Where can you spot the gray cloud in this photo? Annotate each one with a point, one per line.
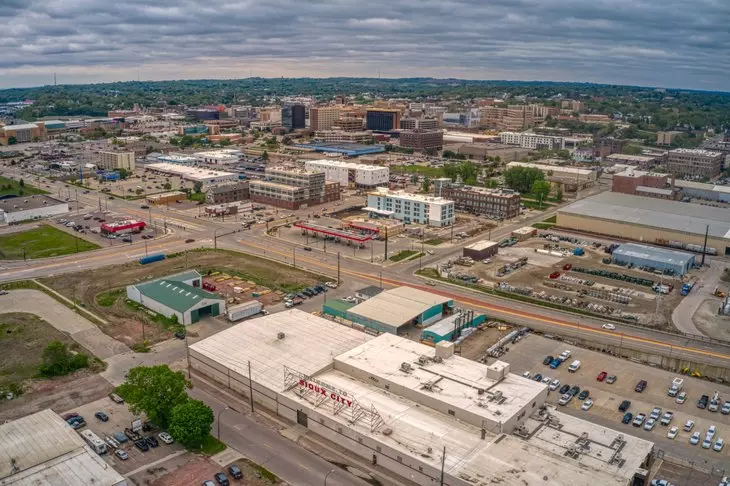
(651, 42)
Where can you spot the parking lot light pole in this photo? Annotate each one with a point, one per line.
(219, 420)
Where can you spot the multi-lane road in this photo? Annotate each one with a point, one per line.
(255, 241)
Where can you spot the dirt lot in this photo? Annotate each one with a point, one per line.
(709, 322)
(22, 340)
(527, 355)
(475, 346)
(642, 300)
(125, 323)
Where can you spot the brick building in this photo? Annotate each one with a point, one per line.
(695, 163)
(226, 193)
(648, 184)
(502, 203)
(422, 140)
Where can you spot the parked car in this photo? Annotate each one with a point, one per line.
(189, 240)
(102, 416)
(718, 445)
(564, 355)
(628, 416)
(725, 408)
(537, 377)
(221, 479)
(640, 386)
(554, 385)
(307, 248)
(609, 327)
(611, 379)
(574, 390)
(120, 437)
(127, 239)
(695, 439)
(711, 430)
(706, 443)
(681, 398)
(702, 402)
(235, 472)
(564, 399)
(142, 445)
(547, 360)
(564, 389)
(601, 376)
(208, 482)
(655, 413)
(667, 418)
(555, 363)
(639, 420)
(583, 395)
(144, 206)
(121, 454)
(587, 405)
(688, 425)
(673, 432)
(152, 442)
(70, 415)
(650, 424)
(546, 380)
(165, 437)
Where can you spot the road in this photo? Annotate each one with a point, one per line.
(268, 448)
(207, 233)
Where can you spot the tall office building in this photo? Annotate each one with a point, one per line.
(382, 119)
(293, 116)
(323, 118)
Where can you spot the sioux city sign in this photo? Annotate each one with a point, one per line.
(326, 390)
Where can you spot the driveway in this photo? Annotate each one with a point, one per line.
(703, 290)
(64, 319)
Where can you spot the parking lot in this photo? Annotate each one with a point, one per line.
(528, 355)
(88, 227)
(119, 418)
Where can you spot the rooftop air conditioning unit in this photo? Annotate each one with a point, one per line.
(280, 335)
(405, 367)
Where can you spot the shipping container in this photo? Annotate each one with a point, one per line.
(151, 258)
(247, 309)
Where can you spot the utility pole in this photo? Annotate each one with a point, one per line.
(338, 268)
(704, 248)
(443, 463)
(385, 257)
(294, 255)
(420, 258)
(250, 386)
(372, 246)
(452, 231)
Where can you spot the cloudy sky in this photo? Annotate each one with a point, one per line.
(669, 43)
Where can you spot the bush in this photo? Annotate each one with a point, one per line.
(59, 361)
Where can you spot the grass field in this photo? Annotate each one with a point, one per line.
(22, 340)
(433, 242)
(403, 254)
(418, 169)
(10, 187)
(42, 242)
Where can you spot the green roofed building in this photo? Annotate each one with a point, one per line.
(178, 295)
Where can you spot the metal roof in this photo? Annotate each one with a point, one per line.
(46, 451)
(172, 292)
(398, 306)
(370, 291)
(655, 213)
(674, 257)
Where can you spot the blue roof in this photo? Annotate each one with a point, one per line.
(350, 149)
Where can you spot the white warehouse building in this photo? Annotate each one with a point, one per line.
(350, 174)
(218, 157)
(410, 208)
(23, 208)
(398, 403)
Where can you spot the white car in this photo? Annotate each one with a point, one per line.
(165, 437)
(649, 425)
(695, 439)
(609, 327)
(711, 431)
(673, 432)
(689, 425)
(526, 374)
(706, 443)
(587, 405)
(655, 413)
(554, 385)
(681, 398)
(565, 399)
(564, 355)
(718, 445)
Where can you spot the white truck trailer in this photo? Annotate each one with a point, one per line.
(241, 311)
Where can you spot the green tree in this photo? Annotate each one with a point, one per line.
(167, 186)
(139, 191)
(426, 184)
(197, 187)
(631, 150)
(521, 179)
(190, 422)
(124, 173)
(57, 360)
(225, 142)
(559, 195)
(21, 183)
(265, 155)
(154, 390)
(12, 140)
(540, 189)
(468, 171)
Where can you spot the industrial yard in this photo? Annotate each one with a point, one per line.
(580, 273)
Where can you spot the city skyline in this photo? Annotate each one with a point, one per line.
(646, 43)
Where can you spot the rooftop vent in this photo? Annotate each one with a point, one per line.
(280, 335)
(422, 360)
(406, 367)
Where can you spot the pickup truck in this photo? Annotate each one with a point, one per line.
(675, 387)
(291, 303)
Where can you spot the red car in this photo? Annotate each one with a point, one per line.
(602, 376)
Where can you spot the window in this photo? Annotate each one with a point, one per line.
(451, 412)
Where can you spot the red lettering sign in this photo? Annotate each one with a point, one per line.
(320, 389)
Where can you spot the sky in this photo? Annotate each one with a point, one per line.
(666, 43)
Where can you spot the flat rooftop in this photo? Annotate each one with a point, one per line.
(48, 452)
(633, 158)
(554, 168)
(24, 203)
(481, 245)
(702, 152)
(385, 192)
(655, 213)
(309, 345)
(348, 165)
(398, 306)
(632, 250)
(192, 173)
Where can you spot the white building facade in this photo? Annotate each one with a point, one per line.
(411, 208)
(532, 140)
(350, 174)
(16, 209)
(217, 157)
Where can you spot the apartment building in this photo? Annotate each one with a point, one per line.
(382, 119)
(695, 163)
(324, 117)
(411, 208)
(422, 140)
(514, 118)
(350, 174)
(116, 160)
(293, 116)
(503, 203)
(412, 123)
(293, 188)
(666, 138)
(532, 140)
(343, 136)
(541, 112)
(227, 193)
(574, 106)
(26, 132)
(609, 145)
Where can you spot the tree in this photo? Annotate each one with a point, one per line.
(12, 140)
(154, 390)
(468, 171)
(559, 195)
(59, 361)
(124, 173)
(540, 189)
(21, 183)
(139, 191)
(197, 187)
(225, 142)
(167, 186)
(265, 155)
(426, 184)
(191, 422)
(521, 179)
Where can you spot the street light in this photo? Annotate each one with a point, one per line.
(327, 475)
(215, 238)
(219, 420)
